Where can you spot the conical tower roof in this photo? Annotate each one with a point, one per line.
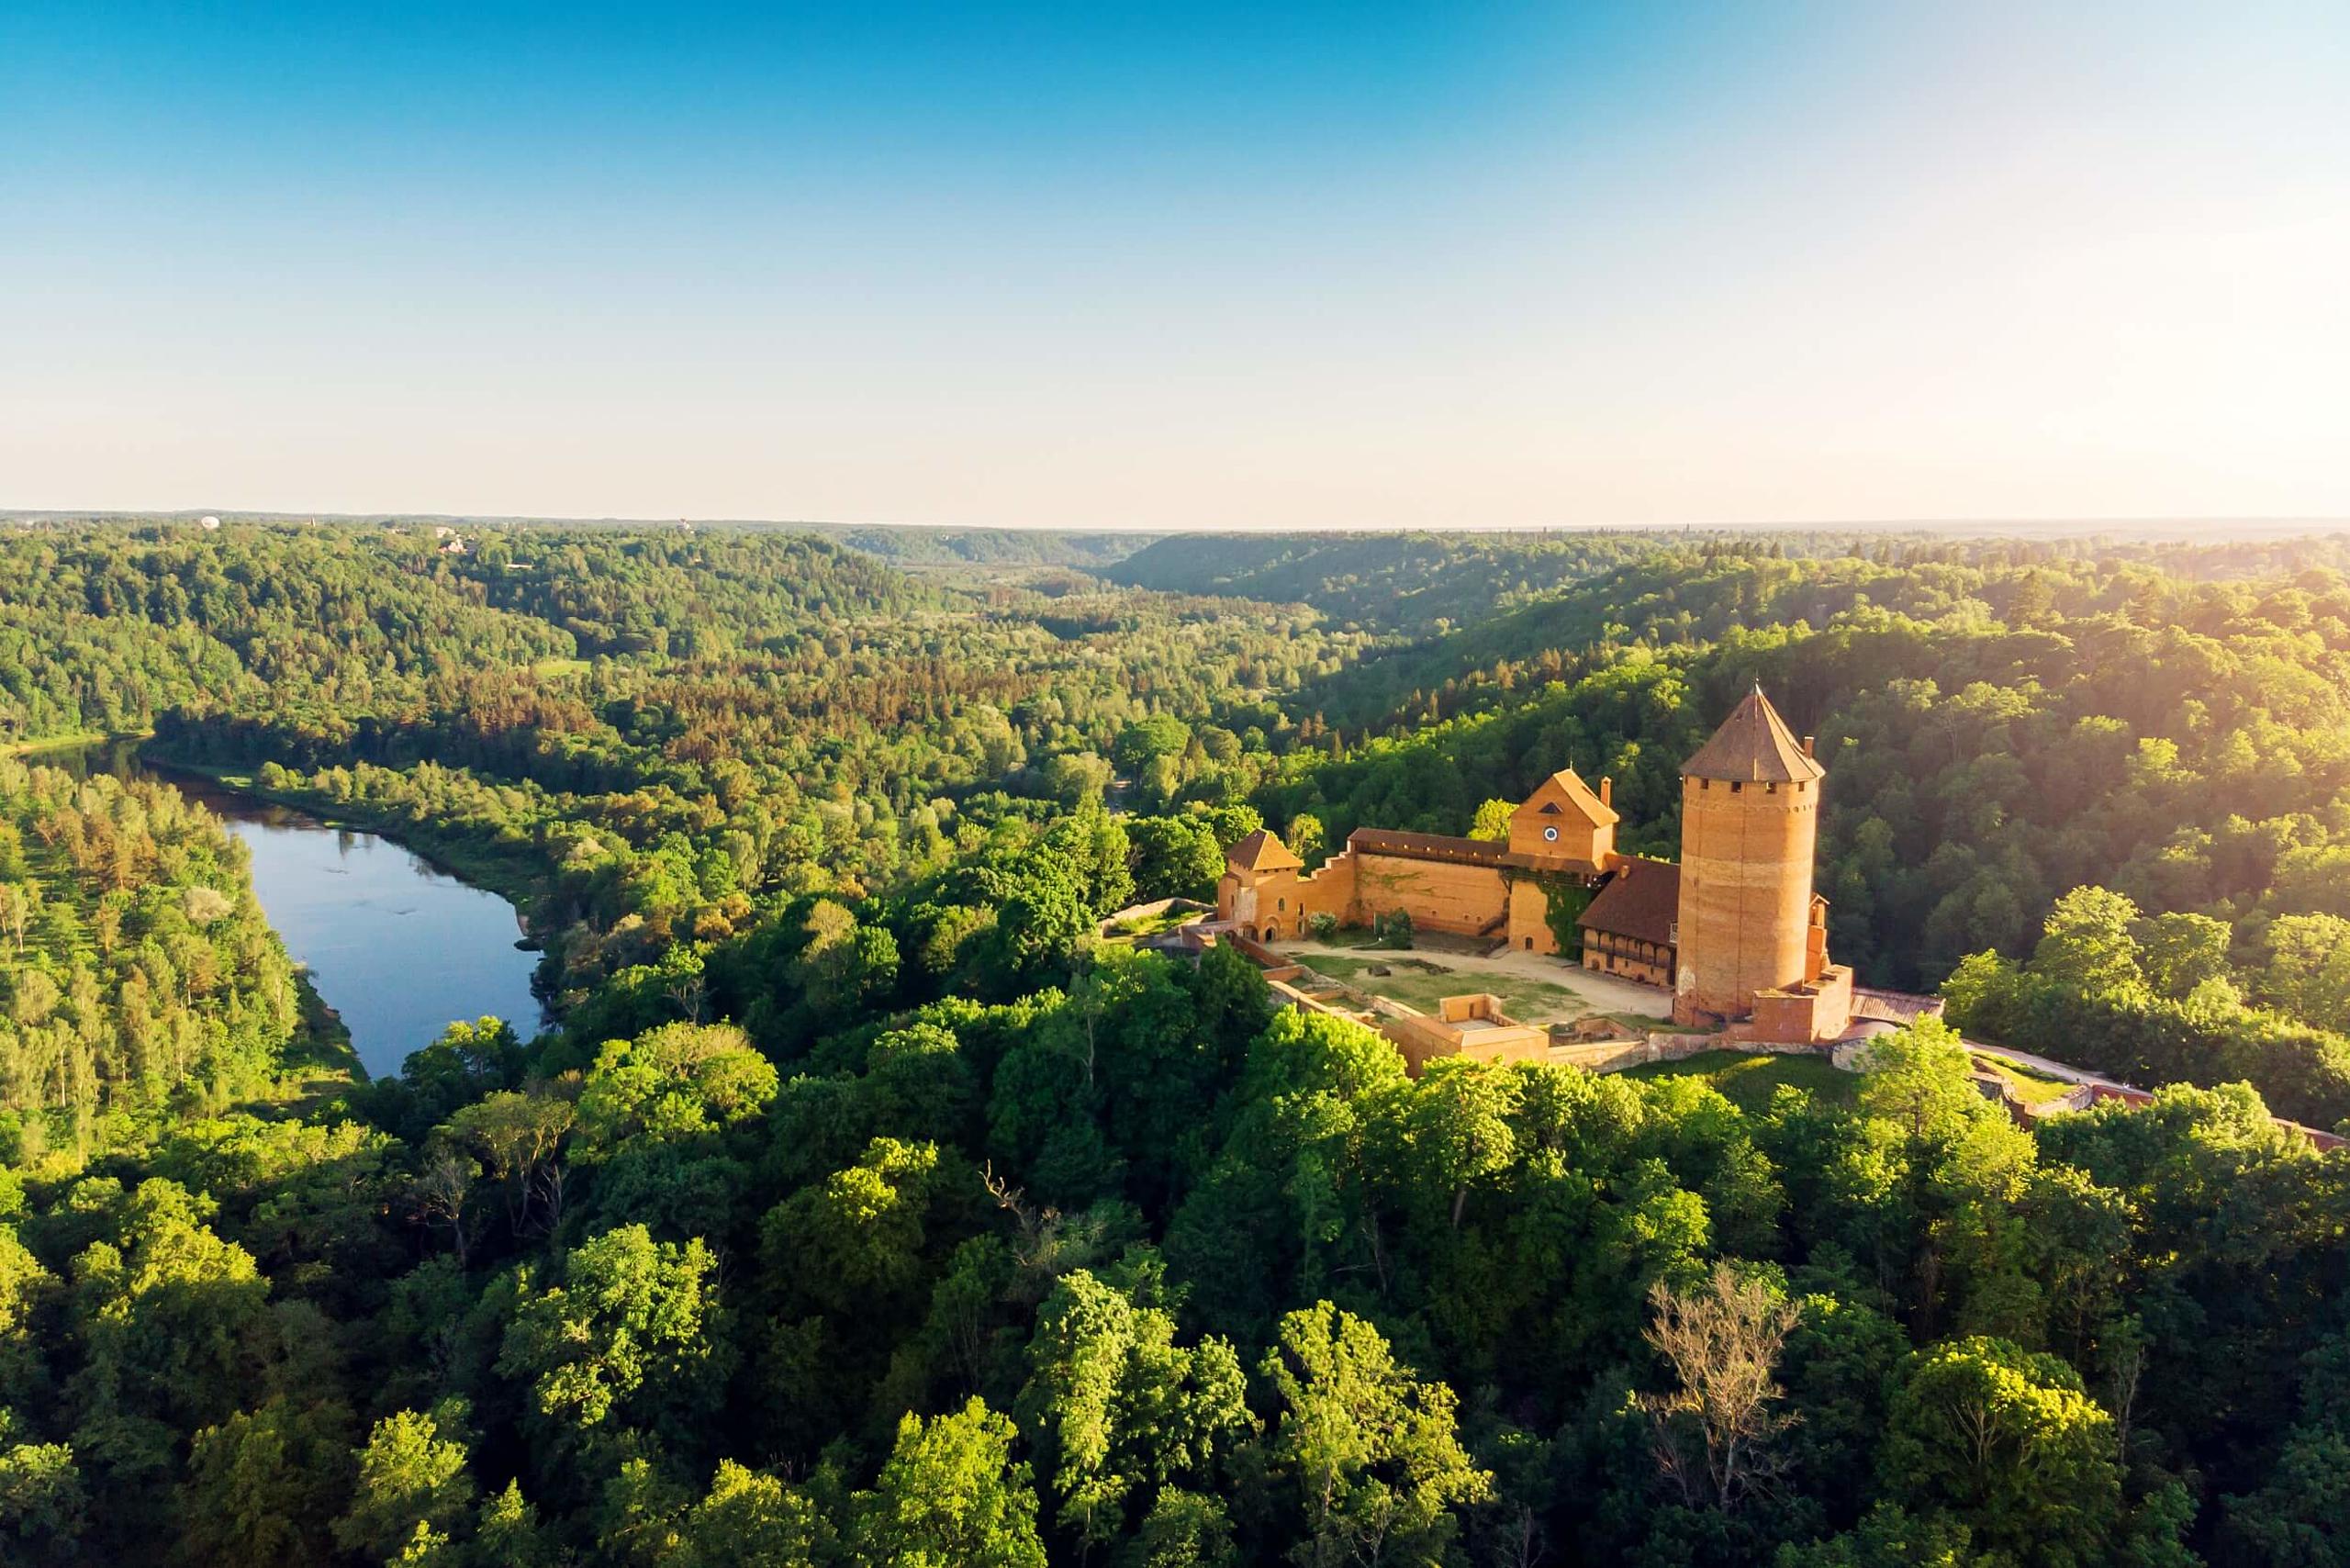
(1753, 746)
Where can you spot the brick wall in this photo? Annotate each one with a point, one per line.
(1439, 895)
(1529, 917)
(1745, 916)
(1819, 1012)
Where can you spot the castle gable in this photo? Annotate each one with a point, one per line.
(1563, 822)
(1565, 794)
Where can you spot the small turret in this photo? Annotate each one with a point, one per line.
(1258, 889)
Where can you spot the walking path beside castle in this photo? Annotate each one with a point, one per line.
(2045, 1067)
(1605, 993)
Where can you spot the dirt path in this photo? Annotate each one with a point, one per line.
(2045, 1067)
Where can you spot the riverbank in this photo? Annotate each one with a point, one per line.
(518, 885)
(398, 932)
(320, 1056)
(79, 740)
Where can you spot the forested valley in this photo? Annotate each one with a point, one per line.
(866, 1204)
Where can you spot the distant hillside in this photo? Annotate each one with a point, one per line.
(909, 546)
(1665, 599)
(904, 544)
(1429, 582)
(1409, 582)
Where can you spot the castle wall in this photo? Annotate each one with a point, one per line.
(1281, 902)
(1468, 901)
(1818, 1011)
(1529, 918)
(1578, 844)
(1422, 1040)
(1327, 891)
(1745, 911)
(1236, 899)
(1356, 887)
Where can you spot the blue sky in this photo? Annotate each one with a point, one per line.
(1262, 266)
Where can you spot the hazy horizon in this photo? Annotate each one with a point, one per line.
(1381, 267)
(2148, 527)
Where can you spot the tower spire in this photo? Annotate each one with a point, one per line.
(1753, 746)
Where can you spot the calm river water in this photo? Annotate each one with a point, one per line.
(395, 948)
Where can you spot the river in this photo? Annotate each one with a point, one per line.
(396, 947)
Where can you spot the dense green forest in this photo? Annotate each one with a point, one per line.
(864, 1206)
(1997, 734)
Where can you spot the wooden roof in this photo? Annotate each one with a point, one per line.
(1640, 900)
(1753, 746)
(1260, 851)
(1431, 847)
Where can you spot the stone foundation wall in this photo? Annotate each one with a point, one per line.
(1819, 1012)
(1604, 1056)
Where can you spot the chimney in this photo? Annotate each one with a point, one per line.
(1606, 790)
(1807, 745)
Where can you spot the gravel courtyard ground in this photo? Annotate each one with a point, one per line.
(1534, 988)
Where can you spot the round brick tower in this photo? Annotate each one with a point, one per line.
(1750, 828)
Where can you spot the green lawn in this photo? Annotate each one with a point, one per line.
(1152, 924)
(1748, 1079)
(1352, 936)
(1422, 982)
(2030, 1087)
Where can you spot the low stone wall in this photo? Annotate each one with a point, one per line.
(1603, 1055)
(1264, 957)
(1615, 1055)
(1151, 911)
(1676, 1048)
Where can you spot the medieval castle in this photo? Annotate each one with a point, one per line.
(1734, 929)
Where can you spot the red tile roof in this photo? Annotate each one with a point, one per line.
(1260, 851)
(1640, 900)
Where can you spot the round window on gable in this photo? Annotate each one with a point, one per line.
(1551, 832)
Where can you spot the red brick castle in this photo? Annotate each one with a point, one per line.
(1735, 929)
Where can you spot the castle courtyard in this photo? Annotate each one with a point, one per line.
(1538, 988)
